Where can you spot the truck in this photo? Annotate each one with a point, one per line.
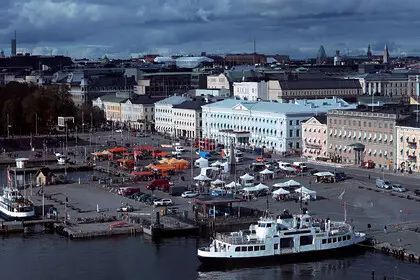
(159, 184)
(239, 156)
(177, 190)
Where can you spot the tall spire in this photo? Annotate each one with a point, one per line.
(369, 52)
(386, 54)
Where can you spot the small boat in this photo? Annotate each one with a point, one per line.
(62, 159)
(13, 206)
(285, 236)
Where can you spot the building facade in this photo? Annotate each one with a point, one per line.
(312, 89)
(138, 112)
(275, 126)
(188, 118)
(252, 91)
(315, 138)
(364, 134)
(218, 82)
(408, 148)
(386, 84)
(164, 117)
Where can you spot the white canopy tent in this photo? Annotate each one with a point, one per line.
(217, 183)
(324, 174)
(288, 184)
(233, 185)
(306, 193)
(256, 188)
(280, 191)
(202, 162)
(266, 172)
(247, 180)
(202, 177)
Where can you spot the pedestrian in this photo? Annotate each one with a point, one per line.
(385, 229)
(369, 177)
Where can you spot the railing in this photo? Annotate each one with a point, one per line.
(236, 240)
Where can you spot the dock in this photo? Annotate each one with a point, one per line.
(53, 168)
(399, 241)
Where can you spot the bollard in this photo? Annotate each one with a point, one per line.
(373, 274)
(79, 180)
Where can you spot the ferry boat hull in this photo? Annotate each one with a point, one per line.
(12, 216)
(228, 262)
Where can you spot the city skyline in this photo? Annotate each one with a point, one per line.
(93, 28)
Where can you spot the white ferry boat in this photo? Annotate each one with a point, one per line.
(13, 206)
(285, 236)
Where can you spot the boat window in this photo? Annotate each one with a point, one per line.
(268, 225)
(262, 247)
(339, 239)
(306, 240)
(297, 232)
(256, 248)
(237, 249)
(348, 237)
(334, 239)
(243, 249)
(250, 248)
(261, 225)
(329, 240)
(276, 246)
(324, 241)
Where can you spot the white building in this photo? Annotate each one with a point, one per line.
(164, 121)
(139, 112)
(271, 125)
(220, 81)
(224, 93)
(188, 118)
(252, 91)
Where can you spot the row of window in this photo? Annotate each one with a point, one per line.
(359, 123)
(250, 248)
(336, 239)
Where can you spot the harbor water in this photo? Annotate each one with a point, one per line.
(48, 256)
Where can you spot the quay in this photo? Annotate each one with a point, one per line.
(53, 168)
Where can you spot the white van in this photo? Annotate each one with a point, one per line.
(299, 164)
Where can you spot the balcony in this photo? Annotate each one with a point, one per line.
(412, 145)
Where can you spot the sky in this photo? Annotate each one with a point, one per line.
(124, 28)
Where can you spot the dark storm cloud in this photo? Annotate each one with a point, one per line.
(120, 27)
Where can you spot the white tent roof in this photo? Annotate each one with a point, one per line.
(247, 177)
(232, 185)
(305, 190)
(256, 188)
(266, 172)
(281, 191)
(202, 177)
(218, 182)
(216, 163)
(201, 160)
(287, 184)
(324, 174)
(261, 186)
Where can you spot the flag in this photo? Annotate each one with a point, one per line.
(340, 197)
(9, 176)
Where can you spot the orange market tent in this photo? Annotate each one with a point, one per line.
(157, 153)
(164, 161)
(141, 148)
(118, 150)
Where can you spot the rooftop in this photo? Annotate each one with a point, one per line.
(320, 84)
(400, 110)
(296, 107)
(194, 104)
(111, 97)
(145, 99)
(172, 100)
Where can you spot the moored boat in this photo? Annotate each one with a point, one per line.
(13, 206)
(284, 236)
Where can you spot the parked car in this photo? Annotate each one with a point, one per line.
(126, 208)
(398, 188)
(189, 194)
(118, 130)
(163, 202)
(340, 176)
(383, 184)
(417, 192)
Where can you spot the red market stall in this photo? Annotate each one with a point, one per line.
(125, 164)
